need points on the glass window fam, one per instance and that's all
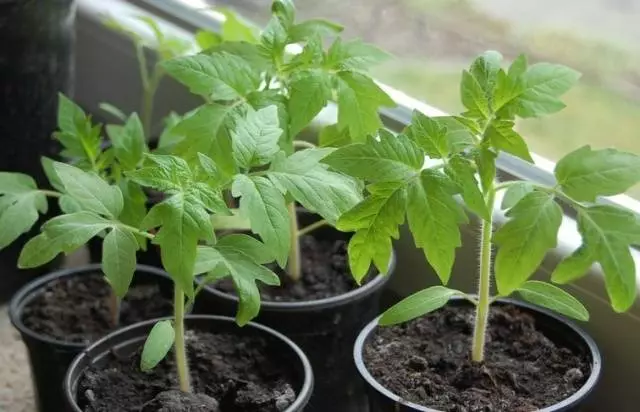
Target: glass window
(433, 40)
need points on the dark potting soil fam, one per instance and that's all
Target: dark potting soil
(325, 273)
(427, 361)
(241, 374)
(77, 309)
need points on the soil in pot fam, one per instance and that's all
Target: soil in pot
(229, 373)
(77, 309)
(427, 362)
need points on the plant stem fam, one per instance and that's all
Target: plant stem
(310, 228)
(181, 354)
(51, 193)
(303, 144)
(114, 308)
(293, 265)
(484, 287)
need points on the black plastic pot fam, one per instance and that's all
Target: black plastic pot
(49, 358)
(556, 328)
(36, 62)
(325, 329)
(129, 339)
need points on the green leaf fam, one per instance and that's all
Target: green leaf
(71, 118)
(274, 39)
(607, 232)
(354, 55)
(284, 11)
(265, 98)
(220, 75)
(166, 173)
(333, 136)
(235, 28)
(128, 142)
(486, 161)
(375, 221)
(38, 251)
(119, 259)
(255, 137)
(50, 172)
(113, 111)
(459, 132)
(16, 183)
(525, 239)
(310, 91)
(135, 203)
(89, 191)
(434, 216)
(318, 189)
(157, 345)
(390, 158)
(263, 204)
(462, 172)
(71, 231)
(359, 99)
(585, 174)
(515, 193)
(473, 96)
(207, 39)
(485, 70)
(429, 134)
(18, 213)
(501, 135)
(554, 298)
(242, 256)
(311, 28)
(543, 84)
(418, 304)
(574, 266)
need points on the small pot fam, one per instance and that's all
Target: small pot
(556, 328)
(325, 329)
(129, 339)
(49, 358)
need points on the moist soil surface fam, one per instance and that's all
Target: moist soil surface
(325, 273)
(228, 374)
(427, 362)
(77, 309)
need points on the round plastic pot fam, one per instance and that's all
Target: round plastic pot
(36, 62)
(127, 340)
(49, 358)
(325, 329)
(557, 329)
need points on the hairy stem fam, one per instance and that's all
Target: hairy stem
(293, 265)
(310, 228)
(484, 298)
(181, 353)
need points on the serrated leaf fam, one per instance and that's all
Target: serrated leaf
(311, 28)
(50, 172)
(333, 136)
(462, 172)
(255, 137)
(157, 345)
(220, 75)
(89, 191)
(135, 203)
(434, 216)
(574, 266)
(524, 240)
(375, 221)
(501, 135)
(485, 70)
(473, 96)
(38, 251)
(554, 298)
(236, 28)
(242, 256)
(128, 142)
(354, 55)
(310, 90)
(113, 111)
(318, 189)
(119, 259)
(274, 38)
(515, 193)
(71, 118)
(16, 183)
(70, 231)
(429, 134)
(585, 174)
(459, 132)
(418, 304)
(18, 213)
(607, 232)
(284, 11)
(390, 158)
(165, 173)
(263, 204)
(359, 99)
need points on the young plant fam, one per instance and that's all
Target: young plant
(251, 74)
(465, 149)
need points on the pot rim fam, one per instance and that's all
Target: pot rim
(302, 398)
(594, 376)
(29, 291)
(312, 305)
